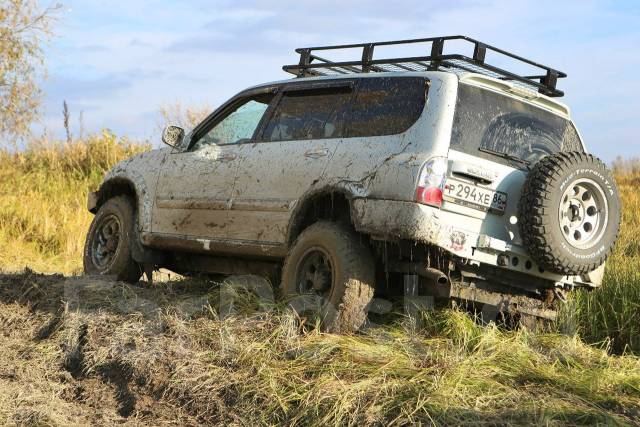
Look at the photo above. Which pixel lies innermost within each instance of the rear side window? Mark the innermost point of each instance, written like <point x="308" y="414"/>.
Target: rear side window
<point x="386" y="105"/>
<point x="495" y="126"/>
<point x="309" y="114"/>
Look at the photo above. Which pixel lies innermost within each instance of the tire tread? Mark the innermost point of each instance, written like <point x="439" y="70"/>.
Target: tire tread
<point x="536" y="212"/>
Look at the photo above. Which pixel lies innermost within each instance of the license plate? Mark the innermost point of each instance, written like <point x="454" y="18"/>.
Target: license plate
<point x="475" y="197"/>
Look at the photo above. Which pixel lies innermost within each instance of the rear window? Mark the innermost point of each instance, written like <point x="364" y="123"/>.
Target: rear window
<point x="495" y="126"/>
<point x="386" y="105"/>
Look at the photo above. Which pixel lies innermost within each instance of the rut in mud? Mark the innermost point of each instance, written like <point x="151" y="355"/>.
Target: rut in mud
<point x="89" y="350"/>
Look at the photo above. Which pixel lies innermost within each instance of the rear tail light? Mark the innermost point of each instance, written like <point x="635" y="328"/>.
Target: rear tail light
<point x="431" y="182"/>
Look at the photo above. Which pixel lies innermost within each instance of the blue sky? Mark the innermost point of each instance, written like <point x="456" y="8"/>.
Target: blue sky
<point x="119" y="61"/>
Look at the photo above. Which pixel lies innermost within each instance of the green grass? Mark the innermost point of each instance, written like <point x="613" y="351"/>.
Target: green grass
<point x="611" y="315"/>
<point x="43" y="221"/>
<point x="257" y="368"/>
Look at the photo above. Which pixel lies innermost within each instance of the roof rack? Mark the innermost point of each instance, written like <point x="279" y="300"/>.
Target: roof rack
<point x="544" y="79"/>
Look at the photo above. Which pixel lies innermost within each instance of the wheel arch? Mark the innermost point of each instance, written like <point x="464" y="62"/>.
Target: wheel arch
<point x="330" y="203"/>
<point x="128" y="184"/>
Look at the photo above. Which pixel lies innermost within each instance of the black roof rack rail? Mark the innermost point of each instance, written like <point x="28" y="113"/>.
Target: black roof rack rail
<point x="311" y="64"/>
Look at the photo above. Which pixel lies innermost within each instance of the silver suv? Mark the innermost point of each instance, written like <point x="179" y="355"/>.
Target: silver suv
<point x="437" y="175"/>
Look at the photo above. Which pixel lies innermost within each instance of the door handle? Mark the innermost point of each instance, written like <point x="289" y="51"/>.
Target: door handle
<point x="226" y="157"/>
<point x="316" y="153"/>
<point x="473" y="172"/>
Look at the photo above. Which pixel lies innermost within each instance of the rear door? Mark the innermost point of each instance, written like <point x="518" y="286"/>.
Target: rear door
<point x="289" y="157"/>
<point x="496" y="139"/>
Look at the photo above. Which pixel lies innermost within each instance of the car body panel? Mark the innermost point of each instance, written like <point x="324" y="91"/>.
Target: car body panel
<point x="193" y="192"/>
<point x="141" y="171"/>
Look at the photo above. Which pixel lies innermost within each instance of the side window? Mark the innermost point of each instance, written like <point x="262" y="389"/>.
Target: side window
<point x="386" y="105"/>
<point x="309" y="114"/>
<point x="238" y="125"/>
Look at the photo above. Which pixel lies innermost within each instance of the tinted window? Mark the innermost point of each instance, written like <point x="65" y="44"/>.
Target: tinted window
<point x="488" y="122"/>
<point x="309" y="114"/>
<point x="238" y="125"/>
<point x="386" y="105"/>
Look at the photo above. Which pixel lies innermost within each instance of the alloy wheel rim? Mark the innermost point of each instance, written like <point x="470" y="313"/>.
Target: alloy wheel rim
<point x="106" y="241"/>
<point x="314" y="273"/>
<point x="583" y="213"/>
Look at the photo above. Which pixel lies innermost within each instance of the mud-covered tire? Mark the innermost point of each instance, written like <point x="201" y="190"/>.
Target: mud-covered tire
<point x="569" y="213"/>
<point x="344" y="307"/>
<point x="116" y="259"/>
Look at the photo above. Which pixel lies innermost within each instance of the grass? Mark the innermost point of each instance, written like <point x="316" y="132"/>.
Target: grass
<point x="43" y="197"/>
<point x="611" y="314"/>
<point x="164" y="356"/>
<point x="43" y="221"/>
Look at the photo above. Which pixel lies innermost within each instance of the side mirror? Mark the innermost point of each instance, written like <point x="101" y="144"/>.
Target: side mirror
<point x="173" y="136"/>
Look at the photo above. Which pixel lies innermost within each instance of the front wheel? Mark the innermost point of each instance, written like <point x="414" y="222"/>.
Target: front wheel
<point x="331" y="272"/>
<point x="107" y="249"/>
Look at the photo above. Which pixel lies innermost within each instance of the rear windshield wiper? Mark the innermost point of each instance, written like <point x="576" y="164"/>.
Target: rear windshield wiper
<point x="506" y="156"/>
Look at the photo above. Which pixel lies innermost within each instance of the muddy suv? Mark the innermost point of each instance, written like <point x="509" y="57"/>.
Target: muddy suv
<point x="438" y="175"/>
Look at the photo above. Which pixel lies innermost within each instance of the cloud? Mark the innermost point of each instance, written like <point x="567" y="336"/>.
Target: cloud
<point x="123" y="58"/>
<point x="72" y="88"/>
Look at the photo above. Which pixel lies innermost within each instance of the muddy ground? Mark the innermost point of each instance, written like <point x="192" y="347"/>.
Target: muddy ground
<point x="93" y="351"/>
<point x="90" y="351"/>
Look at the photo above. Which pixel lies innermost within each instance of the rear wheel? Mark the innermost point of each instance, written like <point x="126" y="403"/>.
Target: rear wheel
<point x="107" y="249"/>
<point x="331" y="273"/>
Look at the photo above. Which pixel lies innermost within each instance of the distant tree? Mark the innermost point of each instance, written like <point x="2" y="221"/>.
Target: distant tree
<point x="24" y="27"/>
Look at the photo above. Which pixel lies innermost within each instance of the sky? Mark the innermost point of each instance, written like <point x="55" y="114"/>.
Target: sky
<point x="118" y="62"/>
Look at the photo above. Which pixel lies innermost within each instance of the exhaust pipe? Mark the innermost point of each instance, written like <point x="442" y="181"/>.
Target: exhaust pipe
<point x="432" y="275"/>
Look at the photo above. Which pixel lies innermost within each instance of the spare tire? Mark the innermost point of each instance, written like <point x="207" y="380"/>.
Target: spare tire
<point x="569" y="213"/>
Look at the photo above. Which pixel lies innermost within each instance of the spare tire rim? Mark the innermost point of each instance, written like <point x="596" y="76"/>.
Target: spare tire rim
<point x="583" y="213"/>
<point x="314" y="273"/>
<point x="106" y="241"/>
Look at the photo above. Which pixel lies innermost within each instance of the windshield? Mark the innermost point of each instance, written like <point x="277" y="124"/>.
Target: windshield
<point x="494" y="126"/>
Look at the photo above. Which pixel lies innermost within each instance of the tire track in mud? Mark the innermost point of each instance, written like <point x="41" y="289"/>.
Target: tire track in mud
<point x="114" y="374"/>
<point x="69" y="323"/>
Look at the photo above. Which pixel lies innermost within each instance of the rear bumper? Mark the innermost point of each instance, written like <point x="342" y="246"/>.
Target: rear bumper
<point x="397" y="220"/>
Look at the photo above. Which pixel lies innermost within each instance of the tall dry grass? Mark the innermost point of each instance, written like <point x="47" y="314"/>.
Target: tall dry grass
<point x="171" y="356"/>
<point x="611" y="314"/>
<point x="43" y="196"/>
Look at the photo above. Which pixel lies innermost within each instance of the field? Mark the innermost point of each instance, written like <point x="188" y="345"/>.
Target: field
<point x="80" y="351"/>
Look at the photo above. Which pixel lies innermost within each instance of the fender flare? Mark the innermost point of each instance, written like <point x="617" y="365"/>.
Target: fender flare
<point x="344" y="190"/>
<point x="131" y="178"/>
